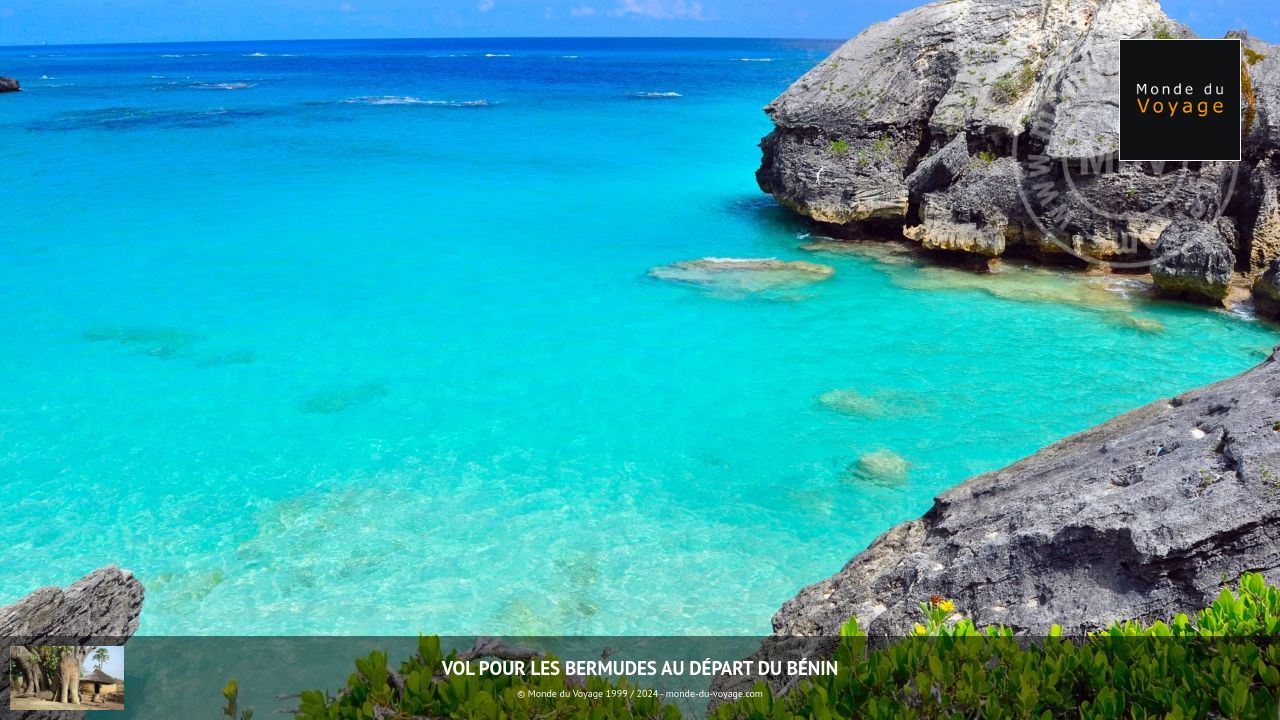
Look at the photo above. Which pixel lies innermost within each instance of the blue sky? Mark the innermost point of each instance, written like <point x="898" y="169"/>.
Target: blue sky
<point x="28" y="22"/>
<point x="114" y="666"/>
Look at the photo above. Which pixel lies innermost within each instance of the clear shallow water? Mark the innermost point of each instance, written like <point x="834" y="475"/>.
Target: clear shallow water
<point x="314" y="342"/>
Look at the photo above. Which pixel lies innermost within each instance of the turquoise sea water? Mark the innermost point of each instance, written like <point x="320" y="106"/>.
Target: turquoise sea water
<point x="315" y="342"/>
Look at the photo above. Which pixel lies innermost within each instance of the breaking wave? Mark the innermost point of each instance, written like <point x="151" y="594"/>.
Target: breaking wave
<point x="410" y="100"/>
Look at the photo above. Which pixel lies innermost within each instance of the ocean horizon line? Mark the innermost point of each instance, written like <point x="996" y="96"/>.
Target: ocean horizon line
<point x="457" y="38"/>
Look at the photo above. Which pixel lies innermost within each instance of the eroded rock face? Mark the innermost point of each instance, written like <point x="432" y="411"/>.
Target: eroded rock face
<point x="8" y="84"/>
<point x="930" y="123"/>
<point x="1141" y="517"/>
<point x="1194" y="260"/>
<point x="1266" y="290"/>
<point x="100" y="608"/>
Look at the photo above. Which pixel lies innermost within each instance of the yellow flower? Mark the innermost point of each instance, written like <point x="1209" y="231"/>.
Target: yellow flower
<point x="946" y="605"/>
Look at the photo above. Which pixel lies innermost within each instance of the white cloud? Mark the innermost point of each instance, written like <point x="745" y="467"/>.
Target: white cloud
<point x="484" y="5"/>
<point x="582" y="11"/>
<point x="659" y="9"/>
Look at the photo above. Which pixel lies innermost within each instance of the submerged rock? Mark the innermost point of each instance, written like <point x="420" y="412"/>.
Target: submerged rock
<point x="744" y="274"/>
<point x="894" y="403"/>
<point x="343" y="398"/>
<point x="940" y="123"/>
<point x="161" y="342"/>
<point x="882" y="467"/>
<point x="8" y="84"/>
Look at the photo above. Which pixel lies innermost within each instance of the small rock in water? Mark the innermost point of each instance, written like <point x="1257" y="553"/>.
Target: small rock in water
<point x="744" y="275"/>
<point x="883" y="467"/>
<point x="338" y="400"/>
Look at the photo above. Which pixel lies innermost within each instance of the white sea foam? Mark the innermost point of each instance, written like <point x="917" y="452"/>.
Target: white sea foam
<point x="409" y="100"/>
<point x="257" y="54"/>
<point x="496" y="55"/>
<point x="755" y="59"/>
<point x="655" y="95"/>
<point x="224" y="86"/>
<point x="727" y="260"/>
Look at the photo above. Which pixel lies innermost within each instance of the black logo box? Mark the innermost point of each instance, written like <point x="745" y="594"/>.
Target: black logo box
<point x="1188" y="64"/>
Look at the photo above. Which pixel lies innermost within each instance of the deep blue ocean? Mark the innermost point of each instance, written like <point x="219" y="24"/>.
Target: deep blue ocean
<point x="358" y="337"/>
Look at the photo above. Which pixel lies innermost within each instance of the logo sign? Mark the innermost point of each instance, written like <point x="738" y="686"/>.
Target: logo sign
<point x="1180" y="100"/>
<point x="1180" y="103"/>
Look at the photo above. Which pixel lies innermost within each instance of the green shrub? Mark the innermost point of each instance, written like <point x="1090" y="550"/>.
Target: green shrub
<point x="986" y="157"/>
<point x="1012" y="85"/>
<point x="231" y="694"/>
<point x="1253" y="57"/>
<point x="1160" y="31"/>
<point x="839" y="147"/>
<point x="1222" y="663"/>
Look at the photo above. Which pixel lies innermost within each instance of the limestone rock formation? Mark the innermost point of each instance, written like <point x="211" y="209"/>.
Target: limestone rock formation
<point x="988" y="127"/>
<point x="1141" y="517"/>
<point x="1266" y="290"/>
<point x="8" y="84"/>
<point x="102" y="608"/>
<point x="1194" y="260"/>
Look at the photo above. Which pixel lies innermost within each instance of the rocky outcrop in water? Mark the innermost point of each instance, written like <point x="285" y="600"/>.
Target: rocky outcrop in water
<point x="102" y="608"/>
<point x="1141" y="517"/>
<point x="930" y="124"/>
<point x="8" y="84"/>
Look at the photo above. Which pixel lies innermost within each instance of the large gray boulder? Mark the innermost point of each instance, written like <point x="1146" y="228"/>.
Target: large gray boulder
<point x="1194" y="260"/>
<point x="946" y="122"/>
<point x="8" y="84"/>
<point x="1266" y="290"/>
<point x="1141" y="517"/>
<point x="102" y="608"/>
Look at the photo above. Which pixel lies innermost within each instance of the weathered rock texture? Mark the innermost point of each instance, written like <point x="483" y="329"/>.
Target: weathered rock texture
<point x="928" y="124"/>
<point x="8" y="84"/>
<point x="1141" y="517"/>
<point x="102" y="608"/>
<point x="1266" y="290"/>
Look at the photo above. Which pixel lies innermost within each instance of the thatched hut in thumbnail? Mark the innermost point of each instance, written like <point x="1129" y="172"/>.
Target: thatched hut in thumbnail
<point x="100" y="685"/>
